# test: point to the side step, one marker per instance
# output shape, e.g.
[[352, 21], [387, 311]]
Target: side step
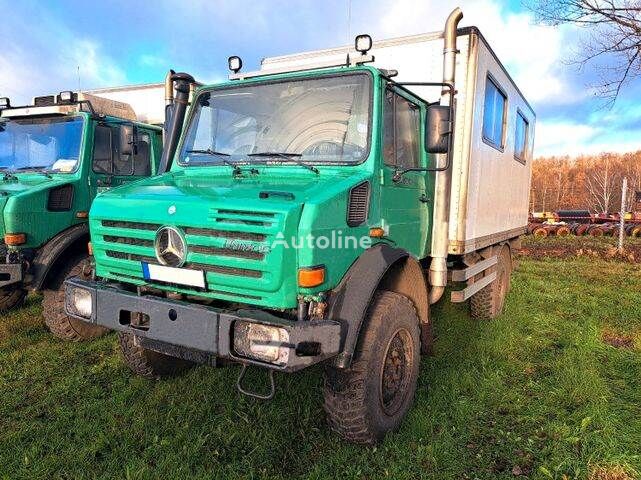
[[464, 274]]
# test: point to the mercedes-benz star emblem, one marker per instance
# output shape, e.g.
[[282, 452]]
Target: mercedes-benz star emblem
[[171, 249]]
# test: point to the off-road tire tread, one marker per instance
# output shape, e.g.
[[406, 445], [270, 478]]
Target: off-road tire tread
[[482, 303], [53, 306], [147, 363], [11, 298], [345, 409]]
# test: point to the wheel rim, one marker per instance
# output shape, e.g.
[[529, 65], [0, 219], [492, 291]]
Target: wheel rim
[[396, 372]]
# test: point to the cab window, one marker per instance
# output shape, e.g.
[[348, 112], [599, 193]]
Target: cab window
[[401, 131], [102, 150], [108, 160]]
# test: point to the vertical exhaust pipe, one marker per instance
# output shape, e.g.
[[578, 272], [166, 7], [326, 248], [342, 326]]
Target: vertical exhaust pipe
[[441, 221], [180, 82], [169, 102]]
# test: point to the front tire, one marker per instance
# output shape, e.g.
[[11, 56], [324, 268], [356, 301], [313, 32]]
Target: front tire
[[147, 363], [11, 297], [53, 305], [371, 398]]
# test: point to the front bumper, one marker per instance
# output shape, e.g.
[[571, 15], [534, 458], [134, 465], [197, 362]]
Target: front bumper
[[10, 273], [200, 329]]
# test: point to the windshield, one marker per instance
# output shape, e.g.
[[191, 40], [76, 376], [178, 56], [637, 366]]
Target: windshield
[[50, 144], [317, 120]]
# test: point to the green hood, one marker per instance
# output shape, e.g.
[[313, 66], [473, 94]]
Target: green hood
[[23, 186], [229, 224], [182, 187]]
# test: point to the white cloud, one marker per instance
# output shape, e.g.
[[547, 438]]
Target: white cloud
[[49, 60], [562, 138], [571, 138], [533, 54]]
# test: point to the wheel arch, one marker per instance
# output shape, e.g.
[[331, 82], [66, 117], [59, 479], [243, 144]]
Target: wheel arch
[[380, 267], [55, 251]]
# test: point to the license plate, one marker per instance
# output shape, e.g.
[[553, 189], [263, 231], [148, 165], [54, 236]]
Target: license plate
[[180, 276]]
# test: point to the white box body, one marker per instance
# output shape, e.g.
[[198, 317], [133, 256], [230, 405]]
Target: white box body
[[490, 187], [147, 101]]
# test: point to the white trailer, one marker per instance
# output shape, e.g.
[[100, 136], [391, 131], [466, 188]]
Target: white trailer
[[491, 159]]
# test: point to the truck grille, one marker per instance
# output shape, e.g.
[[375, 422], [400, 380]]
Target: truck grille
[[232, 248]]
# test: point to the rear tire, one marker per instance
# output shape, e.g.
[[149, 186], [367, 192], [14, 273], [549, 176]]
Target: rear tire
[[53, 305], [488, 302], [147, 363], [11, 297], [371, 398]]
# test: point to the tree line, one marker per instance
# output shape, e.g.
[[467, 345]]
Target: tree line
[[586, 182]]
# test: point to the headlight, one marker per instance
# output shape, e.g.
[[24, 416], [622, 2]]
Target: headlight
[[261, 342], [80, 302]]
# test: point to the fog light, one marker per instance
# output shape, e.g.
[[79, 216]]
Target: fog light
[[81, 302], [261, 342]]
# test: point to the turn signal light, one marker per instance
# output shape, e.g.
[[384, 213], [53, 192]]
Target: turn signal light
[[14, 239], [311, 277], [90, 249], [82, 214], [376, 232]]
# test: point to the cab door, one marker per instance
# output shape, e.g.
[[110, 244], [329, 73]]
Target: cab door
[[110, 168], [404, 202]]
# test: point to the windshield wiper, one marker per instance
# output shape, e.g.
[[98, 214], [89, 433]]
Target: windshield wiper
[[288, 156], [214, 153], [209, 151]]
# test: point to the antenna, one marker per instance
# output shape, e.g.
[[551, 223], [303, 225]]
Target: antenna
[[78, 70]]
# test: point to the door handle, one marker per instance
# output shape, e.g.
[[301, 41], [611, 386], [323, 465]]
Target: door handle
[[423, 198]]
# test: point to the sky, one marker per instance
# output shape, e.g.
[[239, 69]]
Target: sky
[[53, 45]]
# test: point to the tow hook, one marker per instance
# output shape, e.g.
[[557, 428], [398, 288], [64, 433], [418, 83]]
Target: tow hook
[[259, 396]]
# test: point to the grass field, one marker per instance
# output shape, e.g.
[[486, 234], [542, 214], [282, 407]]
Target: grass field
[[551, 389]]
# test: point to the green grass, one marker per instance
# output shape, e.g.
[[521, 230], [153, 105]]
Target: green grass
[[536, 389]]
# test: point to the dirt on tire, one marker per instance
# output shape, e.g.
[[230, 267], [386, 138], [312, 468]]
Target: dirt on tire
[[11, 297], [147, 363], [355, 399]]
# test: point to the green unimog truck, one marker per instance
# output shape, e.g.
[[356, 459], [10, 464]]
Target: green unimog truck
[[312, 211], [56, 155]]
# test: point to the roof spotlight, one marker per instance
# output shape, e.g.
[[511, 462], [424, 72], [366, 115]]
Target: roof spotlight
[[66, 96], [235, 64], [363, 43]]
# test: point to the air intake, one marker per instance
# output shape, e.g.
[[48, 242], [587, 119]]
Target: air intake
[[358, 206], [60, 198]]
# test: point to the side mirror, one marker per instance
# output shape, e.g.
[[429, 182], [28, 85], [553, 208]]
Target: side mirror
[[128, 140], [438, 129]]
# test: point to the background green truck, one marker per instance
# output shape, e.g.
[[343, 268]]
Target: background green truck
[[312, 212], [56, 155]]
